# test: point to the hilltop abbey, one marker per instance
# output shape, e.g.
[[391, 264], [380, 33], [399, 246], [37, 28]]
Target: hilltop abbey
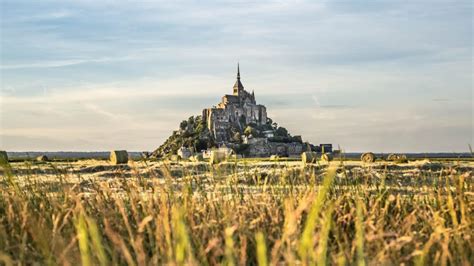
[[237, 123], [234, 111]]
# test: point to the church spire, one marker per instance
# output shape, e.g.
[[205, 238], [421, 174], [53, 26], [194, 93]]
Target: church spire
[[238, 71], [238, 87]]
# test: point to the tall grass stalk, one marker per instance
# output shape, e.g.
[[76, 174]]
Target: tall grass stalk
[[306, 240], [96, 239], [360, 233], [83, 237], [326, 223], [261, 249], [243, 213]]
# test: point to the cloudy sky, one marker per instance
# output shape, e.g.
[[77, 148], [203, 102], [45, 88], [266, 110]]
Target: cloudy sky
[[385, 76]]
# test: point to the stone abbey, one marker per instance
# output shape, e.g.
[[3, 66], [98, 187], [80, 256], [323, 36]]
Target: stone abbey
[[234, 111]]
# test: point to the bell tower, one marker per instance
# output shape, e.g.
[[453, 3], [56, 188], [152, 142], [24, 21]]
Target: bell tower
[[238, 87]]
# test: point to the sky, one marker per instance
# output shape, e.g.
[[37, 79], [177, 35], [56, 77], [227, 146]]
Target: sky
[[381, 76]]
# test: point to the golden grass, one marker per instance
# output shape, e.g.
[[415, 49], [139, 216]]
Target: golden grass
[[233, 214]]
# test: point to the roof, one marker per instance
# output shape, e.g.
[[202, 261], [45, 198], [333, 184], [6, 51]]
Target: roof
[[231, 98], [238, 84]]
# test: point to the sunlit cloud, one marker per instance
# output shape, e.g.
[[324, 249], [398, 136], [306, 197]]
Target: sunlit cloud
[[379, 76]]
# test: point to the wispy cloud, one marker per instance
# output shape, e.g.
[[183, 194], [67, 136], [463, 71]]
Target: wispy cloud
[[63, 63], [364, 74], [100, 111]]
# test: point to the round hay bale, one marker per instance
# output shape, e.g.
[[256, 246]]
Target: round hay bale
[[42, 158], [217, 156], [3, 157], [327, 157], [367, 157], [274, 158], [392, 157], [401, 158], [119, 157], [309, 157]]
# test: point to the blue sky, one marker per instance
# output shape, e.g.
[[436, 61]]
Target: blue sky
[[385, 76]]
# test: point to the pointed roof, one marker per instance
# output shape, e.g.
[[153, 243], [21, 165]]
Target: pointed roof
[[238, 70], [238, 84]]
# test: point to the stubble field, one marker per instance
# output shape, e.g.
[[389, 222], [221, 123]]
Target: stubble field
[[247, 212]]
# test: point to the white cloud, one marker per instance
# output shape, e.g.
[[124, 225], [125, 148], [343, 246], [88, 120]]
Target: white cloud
[[63, 63], [362, 75]]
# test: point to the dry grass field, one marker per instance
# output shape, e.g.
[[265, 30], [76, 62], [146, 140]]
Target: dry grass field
[[237, 213]]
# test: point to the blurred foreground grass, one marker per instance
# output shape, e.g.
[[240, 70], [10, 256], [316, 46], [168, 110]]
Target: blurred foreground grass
[[238, 215]]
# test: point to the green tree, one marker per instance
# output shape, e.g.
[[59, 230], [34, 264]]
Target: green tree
[[199, 129], [200, 145], [281, 131], [250, 131], [269, 121], [183, 125]]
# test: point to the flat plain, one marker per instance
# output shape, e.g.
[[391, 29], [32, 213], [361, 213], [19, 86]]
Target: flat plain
[[247, 211]]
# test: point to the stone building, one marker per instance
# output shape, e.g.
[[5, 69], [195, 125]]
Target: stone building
[[261, 147], [185, 153], [234, 111]]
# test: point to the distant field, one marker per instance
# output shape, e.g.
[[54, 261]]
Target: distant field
[[61, 156], [250, 211]]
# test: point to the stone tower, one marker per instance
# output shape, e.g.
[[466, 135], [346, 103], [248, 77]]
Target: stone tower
[[238, 87]]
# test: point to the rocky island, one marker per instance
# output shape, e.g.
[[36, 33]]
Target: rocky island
[[237, 123]]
